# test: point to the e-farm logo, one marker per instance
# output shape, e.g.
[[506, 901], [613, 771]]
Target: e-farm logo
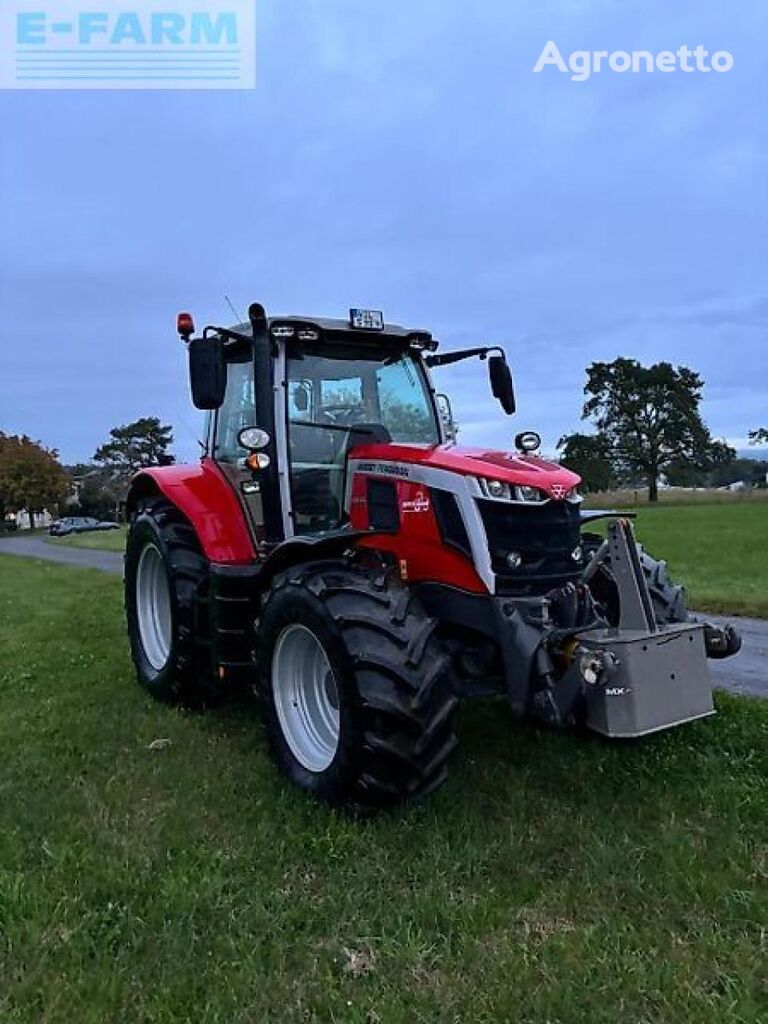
[[147, 44], [582, 64]]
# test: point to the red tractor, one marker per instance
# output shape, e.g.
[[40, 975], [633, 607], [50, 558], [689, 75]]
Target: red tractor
[[338, 552]]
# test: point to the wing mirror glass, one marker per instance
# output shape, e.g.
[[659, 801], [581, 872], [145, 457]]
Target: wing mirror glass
[[501, 383], [446, 415], [207, 372]]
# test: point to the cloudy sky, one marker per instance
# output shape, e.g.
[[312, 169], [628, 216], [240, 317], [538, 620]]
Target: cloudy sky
[[399, 154]]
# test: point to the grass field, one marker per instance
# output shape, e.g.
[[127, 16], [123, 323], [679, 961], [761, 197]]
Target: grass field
[[107, 540], [555, 879], [676, 496], [720, 552]]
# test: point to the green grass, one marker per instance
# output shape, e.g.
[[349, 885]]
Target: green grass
[[675, 496], [106, 540], [555, 879], [719, 552]]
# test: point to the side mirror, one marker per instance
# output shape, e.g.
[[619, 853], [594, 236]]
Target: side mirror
[[207, 372], [501, 383], [301, 399], [446, 415]]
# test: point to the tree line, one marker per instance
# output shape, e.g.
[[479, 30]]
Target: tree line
[[32, 477], [648, 426]]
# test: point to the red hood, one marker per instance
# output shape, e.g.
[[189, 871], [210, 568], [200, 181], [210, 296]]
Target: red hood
[[511, 468]]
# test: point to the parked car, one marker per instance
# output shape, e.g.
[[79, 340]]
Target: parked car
[[8, 525], [79, 524]]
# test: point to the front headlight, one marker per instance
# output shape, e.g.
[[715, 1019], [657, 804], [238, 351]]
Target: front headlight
[[531, 495], [502, 491], [495, 488], [574, 496]]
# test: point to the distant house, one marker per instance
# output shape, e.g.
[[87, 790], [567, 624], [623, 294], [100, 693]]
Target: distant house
[[24, 520]]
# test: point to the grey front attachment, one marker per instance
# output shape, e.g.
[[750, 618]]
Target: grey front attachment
[[661, 677]]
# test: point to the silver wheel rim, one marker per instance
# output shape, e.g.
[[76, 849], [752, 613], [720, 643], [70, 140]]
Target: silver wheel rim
[[306, 697], [153, 607]]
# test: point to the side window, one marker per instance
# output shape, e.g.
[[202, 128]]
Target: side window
[[405, 408], [238, 411]]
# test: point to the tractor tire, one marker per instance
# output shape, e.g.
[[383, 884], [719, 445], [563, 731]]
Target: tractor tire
[[165, 575], [667, 597], [355, 690]]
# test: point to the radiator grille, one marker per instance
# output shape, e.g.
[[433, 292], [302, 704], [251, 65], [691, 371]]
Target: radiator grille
[[544, 535]]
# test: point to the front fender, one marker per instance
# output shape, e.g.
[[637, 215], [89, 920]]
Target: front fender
[[205, 496]]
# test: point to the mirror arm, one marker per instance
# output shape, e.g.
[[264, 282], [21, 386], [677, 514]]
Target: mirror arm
[[445, 358]]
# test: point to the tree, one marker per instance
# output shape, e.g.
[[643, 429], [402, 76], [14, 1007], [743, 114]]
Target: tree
[[590, 456], [136, 445], [31, 476], [650, 416], [759, 436]]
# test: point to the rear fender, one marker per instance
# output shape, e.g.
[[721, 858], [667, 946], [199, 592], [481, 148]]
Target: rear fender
[[204, 495]]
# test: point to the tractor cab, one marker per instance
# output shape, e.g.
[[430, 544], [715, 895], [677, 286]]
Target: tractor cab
[[316, 389]]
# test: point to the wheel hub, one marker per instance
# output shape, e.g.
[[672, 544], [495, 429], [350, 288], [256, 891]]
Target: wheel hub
[[306, 697], [153, 607]]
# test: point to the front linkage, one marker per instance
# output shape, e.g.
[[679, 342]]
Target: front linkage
[[626, 667]]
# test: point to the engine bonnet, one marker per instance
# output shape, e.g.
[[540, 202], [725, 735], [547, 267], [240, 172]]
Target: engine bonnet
[[509, 467]]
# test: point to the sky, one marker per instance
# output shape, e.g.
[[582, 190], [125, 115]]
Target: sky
[[399, 155]]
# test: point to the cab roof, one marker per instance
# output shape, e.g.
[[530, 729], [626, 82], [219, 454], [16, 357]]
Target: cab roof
[[342, 330]]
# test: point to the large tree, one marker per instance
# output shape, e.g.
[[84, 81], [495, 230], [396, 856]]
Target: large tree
[[31, 476], [590, 456], [136, 445], [650, 416]]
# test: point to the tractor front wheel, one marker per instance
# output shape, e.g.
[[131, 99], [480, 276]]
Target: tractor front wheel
[[667, 597], [355, 688]]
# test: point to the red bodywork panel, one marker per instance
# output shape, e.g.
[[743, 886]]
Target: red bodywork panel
[[418, 545], [511, 468], [207, 499]]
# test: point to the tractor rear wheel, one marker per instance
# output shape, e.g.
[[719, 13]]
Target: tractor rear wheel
[[355, 688], [165, 575]]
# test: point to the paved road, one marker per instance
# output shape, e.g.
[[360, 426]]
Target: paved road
[[746, 673], [34, 547]]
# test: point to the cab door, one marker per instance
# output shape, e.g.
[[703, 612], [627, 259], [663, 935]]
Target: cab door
[[238, 411]]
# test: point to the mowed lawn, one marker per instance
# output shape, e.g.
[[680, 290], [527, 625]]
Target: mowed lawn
[[100, 540], [719, 552], [555, 879]]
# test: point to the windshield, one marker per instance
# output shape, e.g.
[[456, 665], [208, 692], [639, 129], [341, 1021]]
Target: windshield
[[334, 390], [330, 394]]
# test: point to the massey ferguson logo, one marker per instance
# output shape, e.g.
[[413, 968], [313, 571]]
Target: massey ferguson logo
[[418, 504], [558, 491]]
